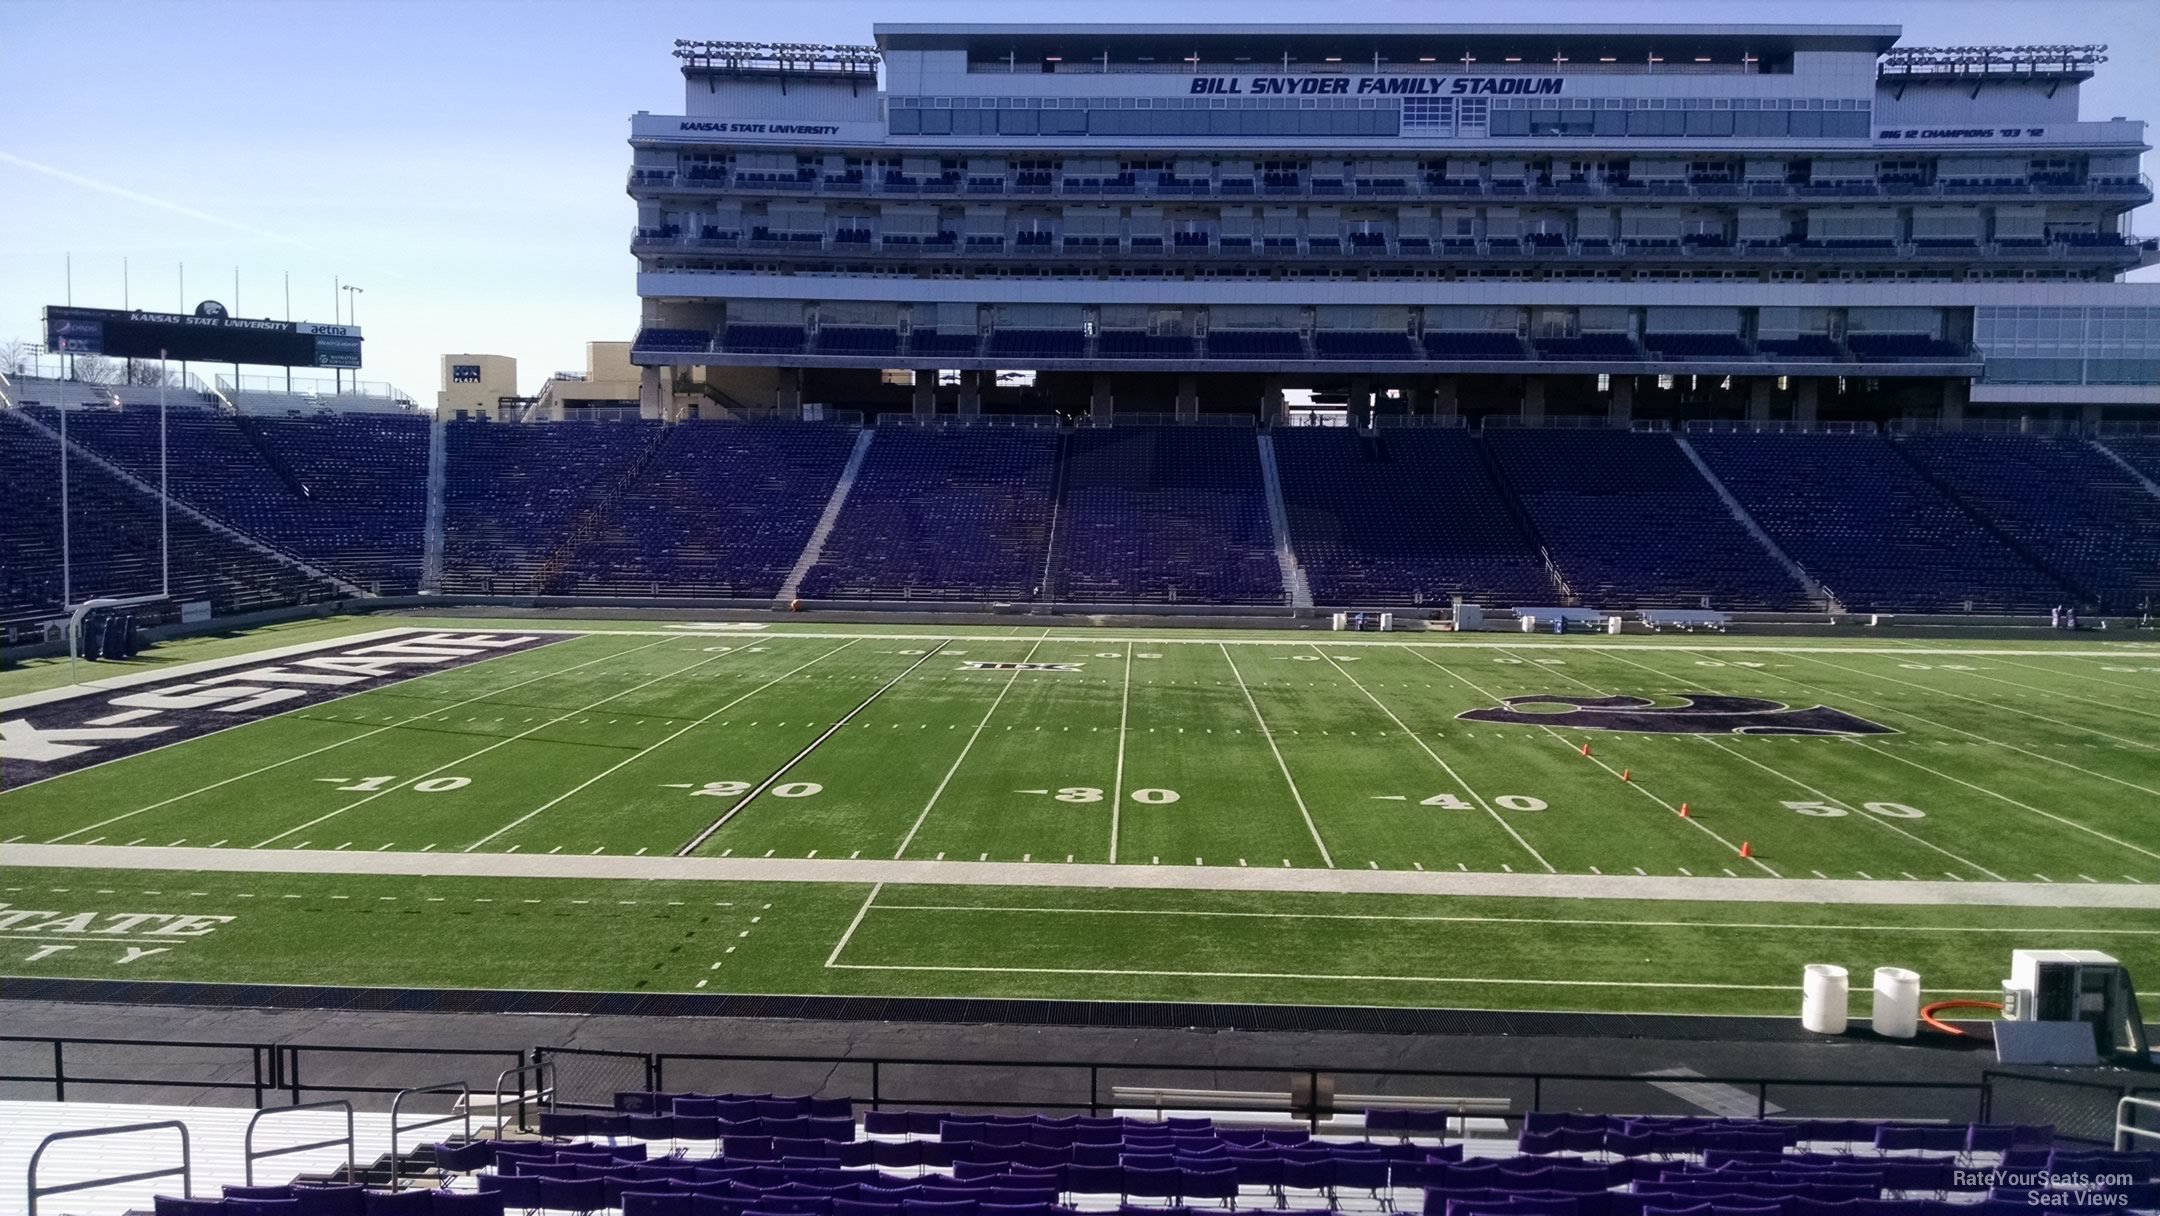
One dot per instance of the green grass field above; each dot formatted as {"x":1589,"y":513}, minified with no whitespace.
{"x":1257,"y":763}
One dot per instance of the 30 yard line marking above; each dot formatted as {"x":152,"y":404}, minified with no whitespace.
{"x":1117,"y":793}
{"x":522,"y":819}
{"x":407,"y":721}
{"x":939,"y":792}
{"x":1445,"y":767}
{"x":1288,"y":780}
{"x":833,"y":959}
{"x":830,"y":731}
{"x":485,"y":750}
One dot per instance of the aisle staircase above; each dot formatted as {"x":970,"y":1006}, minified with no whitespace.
{"x":814,"y":548}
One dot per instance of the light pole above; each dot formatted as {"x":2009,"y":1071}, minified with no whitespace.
{"x":352,"y":310}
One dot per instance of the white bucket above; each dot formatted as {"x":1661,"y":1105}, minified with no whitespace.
{"x":1897,"y":1003}
{"x":1825,"y":996}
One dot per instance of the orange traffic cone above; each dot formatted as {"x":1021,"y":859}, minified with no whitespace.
{"x":1585,"y":749}
{"x":1683,"y":810}
{"x":1746,"y":850}
{"x":1627,"y":774}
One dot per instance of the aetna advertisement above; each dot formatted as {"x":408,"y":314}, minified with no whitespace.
{"x":61,"y":736}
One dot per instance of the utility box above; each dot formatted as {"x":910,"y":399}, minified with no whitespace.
{"x":2077,"y":986}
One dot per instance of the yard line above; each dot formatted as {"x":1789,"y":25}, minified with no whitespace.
{"x":833,"y":959}
{"x":1697,"y":824}
{"x":354,"y":739}
{"x":1414,"y":918}
{"x":1378,"y":979}
{"x":780,"y":772}
{"x":1874,"y":819}
{"x":485,"y":750}
{"x":678,"y":733}
{"x":1117,"y":792}
{"x":965,"y":748}
{"x":2128,"y":656}
{"x":1445,"y":767}
{"x":2006,"y":798}
{"x":1288,"y":780}
{"x":2019,"y":709}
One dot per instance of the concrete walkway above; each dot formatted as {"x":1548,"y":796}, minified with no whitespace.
{"x":1109,"y":877}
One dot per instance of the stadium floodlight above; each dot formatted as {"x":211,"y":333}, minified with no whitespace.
{"x":2045,"y":59}
{"x":731,"y":55}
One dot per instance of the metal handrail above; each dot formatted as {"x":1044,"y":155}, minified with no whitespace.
{"x":461,"y":1110}
{"x":249,"y":1156}
{"x":2125,"y":1129}
{"x":544,"y":1091}
{"x":186,"y":1168}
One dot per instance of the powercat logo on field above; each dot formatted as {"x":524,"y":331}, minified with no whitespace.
{"x":1698,"y":714}
{"x":64,"y":735}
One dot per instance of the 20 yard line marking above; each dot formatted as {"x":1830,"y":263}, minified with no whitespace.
{"x":1117,"y":793}
{"x":490,"y":747}
{"x":353,"y":739}
{"x":699,"y":839}
{"x":1445,"y":767}
{"x":520,"y":820}
{"x":833,"y":959}
{"x":1288,"y":780}
{"x":939,"y":792}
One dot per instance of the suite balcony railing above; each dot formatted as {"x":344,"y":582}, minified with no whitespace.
{"x":2135,"y":191}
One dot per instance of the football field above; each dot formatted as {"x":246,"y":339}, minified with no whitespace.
{"x":1672,"y":822}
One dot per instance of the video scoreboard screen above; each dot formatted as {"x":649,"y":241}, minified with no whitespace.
{"x":209,"y":336}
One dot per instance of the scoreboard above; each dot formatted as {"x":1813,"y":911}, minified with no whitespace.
{"x":208,"y":336}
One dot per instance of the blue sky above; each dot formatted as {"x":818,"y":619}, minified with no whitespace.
{"x":463,"y":161}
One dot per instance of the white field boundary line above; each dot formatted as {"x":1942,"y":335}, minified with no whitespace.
{"x":476,"y":754}
{"x":2020,"y":710}
{"x":1269,"y":735}
{"x":698,"y":840}
{"x":965,"y":748}
{"x":2045,"y":692}
{"x":1593,"y":922}
{"x":1445,"y":767}
{"x":1117,"y":781}
{"x":833,"y":959}
{"x":1086,"y":875}
{"x":2126,"y":656}
{"x":1991,"y":741}
{"x":2069,"y":823}
{"x":1715,"y":742}
{"x":1561,"y":739}
{"x":1196,"y":637}
{"x":30,"y":700}
{"x":366,"y":734}
{"x":657,"y":744}
{"x":1487,"y":980}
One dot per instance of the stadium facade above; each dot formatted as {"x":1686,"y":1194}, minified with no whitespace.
{"x":1756,"y":222}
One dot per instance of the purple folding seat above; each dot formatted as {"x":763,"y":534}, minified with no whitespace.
{"x":264,"y":1207}
{"x":1693,"y":1209}
{"x":859,"y":1207}
{"x":938,"y":1207}
{"x":655,"y":1203}
{"x":1905,"y":1137}
{"x":1316,"y":1174}
{"x":1218,"y":1182}
{"x":1094,"y":1179}
{"x":1158,"y":1182}
{"x":1098,"y":1154}
{"x":258,"y":1192}
{"x":1015,"y":1209}
{"x":1732,"y":1208}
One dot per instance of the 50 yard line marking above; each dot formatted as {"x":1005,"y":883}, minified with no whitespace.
{"x":830,"y":731}
{"x":1117,"y":793}
{"x":651,"y":747}
{"x":367,"y":734}
{"x":1288,"y":780}
{"x":1445,"y":767}
{"x":965,"y":748}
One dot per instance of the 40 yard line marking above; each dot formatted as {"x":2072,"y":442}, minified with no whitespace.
{"x":830,"y":731}
{"x":254,"y":772}
{"x":1445,"y":767}
{"x":965,"y":748}
{"x":520,"y":820}
{"x":1117,"y":793}
{"x":1288,"y":780}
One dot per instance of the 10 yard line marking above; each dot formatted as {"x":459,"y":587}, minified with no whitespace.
{"x":1117,"y":792}
{"x":1445,"y":767}
{"x":1288,"y":780}
{"x":654,"y":746}
{"x":833,"y":959}
{"x":353,"y":739}
{"x":485,"y":750}
{"x":939,"y":792}
{"x":780,"y":772}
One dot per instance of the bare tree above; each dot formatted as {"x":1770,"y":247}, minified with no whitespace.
{"x":16,"y":354}
{"x":97,"y":369}
{"x":145,"y":372}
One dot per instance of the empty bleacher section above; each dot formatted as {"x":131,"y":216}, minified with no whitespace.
{"x":1255,"y":344}
{"x":114,"y":541}
{"x":1139,"y":344}
{"x":722,"y":508}
{"x":512,"y":495}
{"x":1630,"y":522}
{"x":344,"y":492}
{"x":1362,"y":344}
{"x":2066,"y":506}
{"x":1406,"y":517}
{"x":2140,"y":452}
{"x":1155,"y":514}
{"x":943,"y":514}
{"x":1865,"y":524}
{"x":1441,"y":344}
